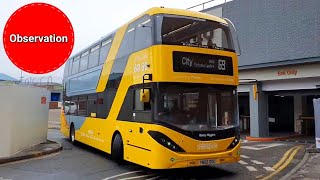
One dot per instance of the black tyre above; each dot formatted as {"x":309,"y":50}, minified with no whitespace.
{"x":117,"y":149}
{"x":72,"y":136}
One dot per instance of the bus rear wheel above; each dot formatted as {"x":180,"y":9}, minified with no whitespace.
{"x":117,"y":149}
{"x":72,"y":136}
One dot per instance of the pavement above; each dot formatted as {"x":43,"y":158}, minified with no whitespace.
{"x":54,"y":119}
{"x":42,"y":149}
{"x":309,"y":166}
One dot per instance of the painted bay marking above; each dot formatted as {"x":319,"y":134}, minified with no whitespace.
{"x":269,"y":168}
{"x":244,"y":156}
{"x":257,"y":162}
{"x":251,"y":168}
{"x":259,"y":147}
{"x":137,"y":177}
{"x":242,"y":162}
{"x":153,"y":178}
{"x":118,"y":175}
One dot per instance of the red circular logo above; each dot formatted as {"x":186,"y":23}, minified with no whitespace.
{"x":38,"y":38}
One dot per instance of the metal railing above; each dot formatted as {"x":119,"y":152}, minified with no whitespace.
{"x":204,"y":5}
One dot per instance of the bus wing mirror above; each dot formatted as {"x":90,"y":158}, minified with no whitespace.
{"x":145,"y":95}
{"x":234,"y":35}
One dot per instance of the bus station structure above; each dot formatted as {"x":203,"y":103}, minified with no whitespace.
{"x":279,"y":65}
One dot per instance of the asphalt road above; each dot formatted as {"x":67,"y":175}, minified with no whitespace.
{"x":83,"y":162}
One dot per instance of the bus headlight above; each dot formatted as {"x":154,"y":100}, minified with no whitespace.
{"x":235,"y":141}
{"x":165,"y":141}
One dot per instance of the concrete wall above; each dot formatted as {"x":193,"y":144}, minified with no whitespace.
{"x":273,"y":32}
{"x":24,"y":119}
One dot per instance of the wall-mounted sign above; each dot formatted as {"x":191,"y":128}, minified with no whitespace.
{"x":43,"y":100}
{"x":290,"y":72}
{"x":202,"y":63}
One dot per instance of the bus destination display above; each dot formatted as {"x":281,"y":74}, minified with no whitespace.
{"x":202,"y":63}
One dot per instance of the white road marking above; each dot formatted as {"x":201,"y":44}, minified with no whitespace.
{"x":251,"y":168}
{"x":118,"y":175}
{"x":2,"y":178}
{"x":259,"y":147}
{"x":269,"y":168}
{"x":244,"y":156}
{"x":154,"y":178}
{"x":257,"y":162}
{"x":137,"y":177}
{"x":242,"y":162}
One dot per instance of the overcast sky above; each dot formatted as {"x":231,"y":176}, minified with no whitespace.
{"x":90,"y":19}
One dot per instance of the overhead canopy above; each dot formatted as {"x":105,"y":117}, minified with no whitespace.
{"x":4,"y":77}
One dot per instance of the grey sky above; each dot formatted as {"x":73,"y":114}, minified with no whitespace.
{"x":90,"y":19}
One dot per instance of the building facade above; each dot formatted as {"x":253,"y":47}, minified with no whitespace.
{"x":279,"y":62}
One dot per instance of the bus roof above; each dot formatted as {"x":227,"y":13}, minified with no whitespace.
{"x":182,"y":12}
{"x":154,"y":11}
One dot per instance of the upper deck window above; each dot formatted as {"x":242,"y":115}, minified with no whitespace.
{"x":104,"y":51}
{"x":84,"y":61}
{"x":143,"y":36}
{"x":194,"y":32}
{"x":94,"y":56}
{"x":75,"y":65}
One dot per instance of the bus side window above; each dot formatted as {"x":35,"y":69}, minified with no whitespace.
{"x":104,"y":50}
{"x":75,"y":65}
{"x":94,"y":57}
{"x":92,"y":105}
{"x":143,"y":33}
{"x":138,"y":105}
{"x":84,"y":61}
{"x":82,"y":106}
{"x":73,"y":106}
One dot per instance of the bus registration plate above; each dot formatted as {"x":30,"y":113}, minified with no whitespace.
{"x":207,"y":162}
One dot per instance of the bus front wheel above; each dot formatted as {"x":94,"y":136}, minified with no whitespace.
{"x":117,"y":148}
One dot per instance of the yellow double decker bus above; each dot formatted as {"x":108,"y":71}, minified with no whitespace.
{"x":160,"y":91}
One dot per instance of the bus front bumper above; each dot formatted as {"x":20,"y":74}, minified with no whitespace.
{"x":180,"y":160}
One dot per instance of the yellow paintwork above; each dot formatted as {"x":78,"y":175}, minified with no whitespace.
{"x":111,"y":56}
{"x":64,"y":128}
{"x":155,"y":60}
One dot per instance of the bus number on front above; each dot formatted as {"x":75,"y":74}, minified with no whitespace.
{"x":221,"y":64}
{"x":140,"y":67}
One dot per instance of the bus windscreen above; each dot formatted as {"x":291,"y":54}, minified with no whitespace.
{"x":194,"y":32}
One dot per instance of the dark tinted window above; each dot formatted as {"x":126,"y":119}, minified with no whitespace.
{"x":75,"y":65}
{"x":94,"y":56}
{"x":84,"y":61}
{"x":82,"y":106}
{"x":143,"y":36}
{"x":121,"y":60}
{"x":127,"y":43}
{"x":104,"y":51}
{"x":92,"y":105}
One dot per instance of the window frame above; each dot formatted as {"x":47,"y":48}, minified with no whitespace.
{"x":84,"y":56}
{"x":104,"y":43}
{"x":77,"y":58}
{"x":91,"y":51}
